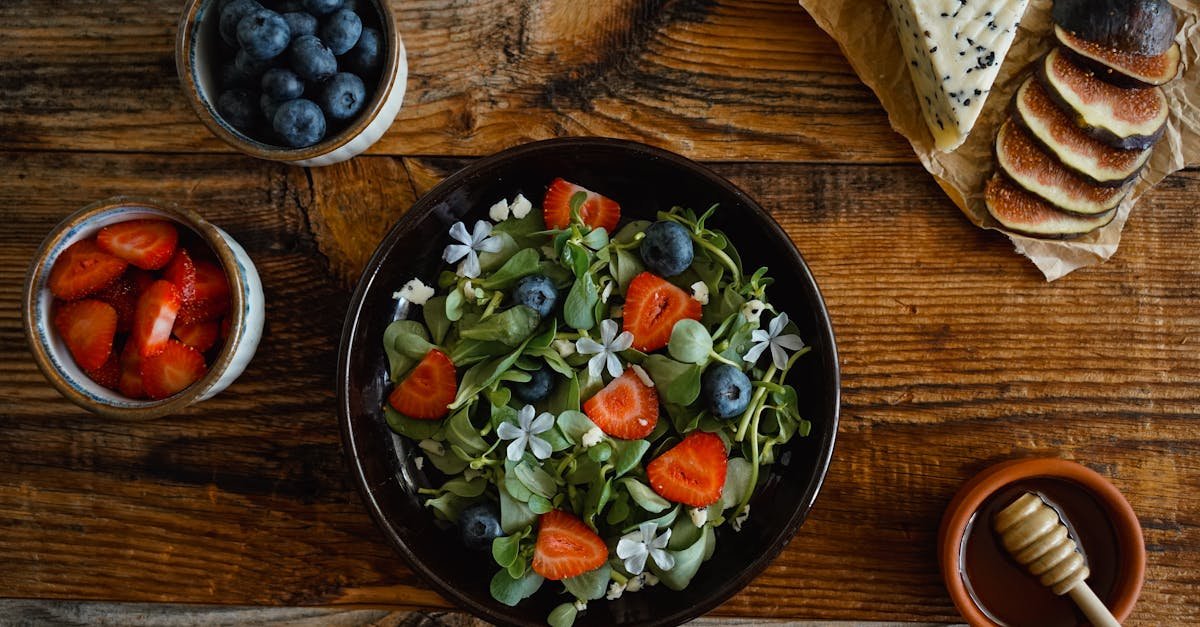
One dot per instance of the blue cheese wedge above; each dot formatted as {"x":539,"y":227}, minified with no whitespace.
{"x":954,"y":49}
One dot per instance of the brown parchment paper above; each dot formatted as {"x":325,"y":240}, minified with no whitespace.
{"x":865,"y":32}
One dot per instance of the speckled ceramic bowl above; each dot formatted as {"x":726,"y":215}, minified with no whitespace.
{"x":196,"y":44}
{"x":247,"y":311}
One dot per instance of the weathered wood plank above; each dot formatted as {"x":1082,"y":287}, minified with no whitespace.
{"x":955,"y":354}
{"x":726,"y":79}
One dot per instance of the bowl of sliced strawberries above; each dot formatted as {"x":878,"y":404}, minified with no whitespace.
{"x":135,"y":309}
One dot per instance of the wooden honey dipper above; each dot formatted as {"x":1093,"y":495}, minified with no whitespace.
{"x":1035,"y":536}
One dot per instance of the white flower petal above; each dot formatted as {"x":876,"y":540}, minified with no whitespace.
{"x":469,"y":266}
{"x":622,"y":342}
{"x":759,"y":335}
{"x":458,"y":231}
{"x":454,"y":252}
{"x":588,"y":346}
{"x":525,"y":417}
{"x":508,"y":431}
{"x":636,"y":564}
{"x":543,"y":423}
{"x":614,"y":366}
{"x":539,"y":447}
{"x":596,"y":364}
{"x":608,"y":331}
{"x":482,"y":229}
{"x":665,"y":560}
{"x":490,"y":245}
{"x":648,"y":528}
{"x":661,"y":541}
{"x":628,"y":546}
{"x":791,"y":341}
{"x":756,"y":351}
{"x":777,"y":324}
{"x":778,"y":356}
{"x":516,"y":449}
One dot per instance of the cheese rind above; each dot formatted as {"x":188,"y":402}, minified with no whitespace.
{"x":954,"y":49}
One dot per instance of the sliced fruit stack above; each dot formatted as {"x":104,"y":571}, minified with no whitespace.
{"x":138,"y":310}
{"x":1082,"y":127}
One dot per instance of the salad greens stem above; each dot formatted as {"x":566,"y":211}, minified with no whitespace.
{"x":717,"y":357}
{"x":754,"y":409}
{"x":723,"y":258}
{"x":492,"y":304}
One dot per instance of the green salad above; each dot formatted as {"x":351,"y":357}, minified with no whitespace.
{"x":597,"y":398}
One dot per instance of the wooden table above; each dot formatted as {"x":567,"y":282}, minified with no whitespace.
{"x":955,"y":352}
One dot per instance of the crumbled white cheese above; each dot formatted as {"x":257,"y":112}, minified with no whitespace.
{"x":753,"y":309}
{"x":643,"y":375}
{"x":651,"y":579}
{"x":419,"y":462}
{"x":700,"y":292}
{"x":468,"y":290}
{"x":433,"y":447}
{"x":741,"y":518}
{"x":608,"y":288}
{"x":520,"y":207}
{"x":593,"y":437}
{"x":615,"y":589}
{"x":580,"y":604}
{"x":565,"y":348}
{"x":499,"y":211}
{"x":414,"y":292}
{"x":636,"y":583}
{"x":699,"y":515}
{"x":617,"y":312}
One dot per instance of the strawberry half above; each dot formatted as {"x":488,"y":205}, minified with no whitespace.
{"x":171,"y":370}
{"x":566,"y":547}
{"x":428,"y":389}
{"x":122,"y":294}
{"x":154,"y":317}
{"x":211,"y":283}
{"x":182,"y":272}
{"x":596,"y":210}
{"x":130,"y":381}
{"x":87,"y":328}
{"x":692,"y":472}
{"x":626,"y":408}
{"x":147,"y":244}
{"x":83,"y":269}
{"x":200,"y":336}
{"x":108,"y":375}
{"x":652,"y":307}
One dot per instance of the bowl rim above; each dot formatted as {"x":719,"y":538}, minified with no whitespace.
{"x":994,"y":478}
{"x":186,"y":68}
{"x":424,"y":207}
{"x":141,"y":410}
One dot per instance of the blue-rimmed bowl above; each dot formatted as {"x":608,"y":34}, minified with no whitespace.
{"x":247,"y":310}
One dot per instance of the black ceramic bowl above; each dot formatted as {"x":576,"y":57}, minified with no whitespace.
{"x":644,"y":180}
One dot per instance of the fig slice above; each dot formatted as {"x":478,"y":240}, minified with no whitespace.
{"x":1026,"y":214}
{"x":1137,"y":26}
{"x":1123,"y":69}
{"x":1027,"y":165}
{"x":1121,"y":118}
{"x":1057,"y":133}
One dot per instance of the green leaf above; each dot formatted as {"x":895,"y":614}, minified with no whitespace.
{"x":619,"y":511}
{"x":538,"y":481}
{"x":565,"y":396}
{"x":710,"y":543}
{"x":511,"y":591}
{"x":516,"y":570}
{"x":590,"y":585}
{"x":690,"y":342}
{"x":514,"y":515}
{"x":596,"y":239}
{"x":574,"y":424}
{"x":599,"y":492}
{"x":629,"y":232}
{"x":447,"y":506}
{"x":513,"y":485}
{"x":461,"y":432}
{"x":552,"y":359}
{"x":539,"y":505}
{"x":575,"y":204}
{"x":454,"y":305}
{"x":576,"y":258}
{"x":666,"y":520}
{"x":410,"y":427}
{"x":520,"y":265}
{"x":488,"y":262}
{"x":600,"y":453}
{"x":403,"y":341}
{"x":687,"y":562}
{"x":579,"y":310}
{"x":563,"y":615}
{"x":645,"y":498}
{"x":737,"y":482}
{"x":446,"y":461}
{"x":434,"y":311}
{"x":626,"y":265}
{"x":460,"y":486}
{"x":627,"y":454}
{"x":505,"y":550}
{"x":482,"y":375}
{"x":509,"y":327}
{"x":678,"y":383}
{"x":556,"y":440}
{"x":523,"y":230}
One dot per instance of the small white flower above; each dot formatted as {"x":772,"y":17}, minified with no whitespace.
{"x":520,"y":207}
{"x":635,"y":547}
{"x":638,"y":582}
{"x":771,"y":338}
{"x":419,"y":462}
{"x":608,"y":288}
{"x":699,"y":515}
{"x":479,"y":240}
{"x":741,"y":518}
{"x":593,"y":437}
{"x":580,"y":604}
{"x":499,"y":211}
{"x":524,"y":434}
{"x":433,"y":447}
{"x":700,"y":292}
{"x":414,"y":292}
{"x":605,"y":351}
{"x":615,"y":589}
{"x":753,"y":309}
{"x":651,"y":579}
{"x":643,"y":375}
{"x":565,"y":348}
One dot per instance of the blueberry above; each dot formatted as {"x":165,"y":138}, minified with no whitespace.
{"x":268,"y":105}
{"x":479,"y":525}
{"x":365,"y":58}
{"x":726,"y":390}
{"x":281,"y":84}
{"x":300,"y":23}
{"x":264,"y":34}
{"x":299,"y":123}
{"x":289,"y":6}
{"x":343,"y":96}
{"x":537,"y":388}
{"x":667,"y":248}
{"x":238,"y":107}
{"x":312,"y":59}
{"x":250,"y":68}
{"x":341,"y":30}
{"x":231,"y":15}
{"x":229,"y":76}
{"x":321,"y":7}
{"x":537,"y":292}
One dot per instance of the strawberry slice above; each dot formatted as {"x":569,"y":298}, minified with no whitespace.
{"x":122,"y":294}
{"x":87,"y":327}
{"x":171,"y":370}
{"x":596,"y":210}
{"x":428,"y":389}
{"x":182,"y":272}
{"x":200,"y":336}
{"x":130,"y":382}
{"x":566,"y":547}
{"x":108,"y":375}
{"x":156,"y":310}
{"x":83,"y":269}
{"x":147,"y":244}
{"x":626,"y":408}
{"x":196,"y":312}
{"x":652,"y":307}
{"x":211,"y":284}
{"x":692,"y":472}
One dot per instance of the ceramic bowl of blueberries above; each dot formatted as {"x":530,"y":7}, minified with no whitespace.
{"x":307,"y":82}
{"x":645,"y":180}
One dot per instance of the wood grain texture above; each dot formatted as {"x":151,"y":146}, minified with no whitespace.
{"x":713,"y":79}
{"x":955,"y":354}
